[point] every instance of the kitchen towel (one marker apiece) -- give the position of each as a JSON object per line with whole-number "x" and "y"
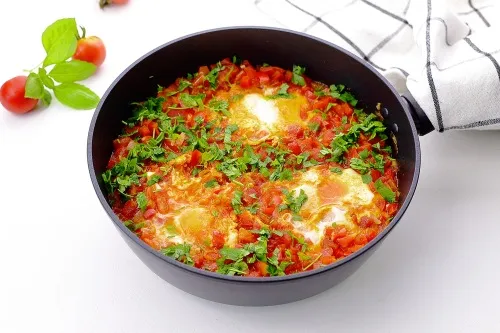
{"x": 446, "y": 53}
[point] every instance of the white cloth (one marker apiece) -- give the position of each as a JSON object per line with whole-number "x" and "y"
{"x": 445, "y": 52}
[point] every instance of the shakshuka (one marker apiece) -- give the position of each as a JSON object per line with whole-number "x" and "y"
{"x": 253, "y": 171}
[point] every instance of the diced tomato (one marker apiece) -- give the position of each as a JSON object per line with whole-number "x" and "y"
{"x": 144, "y": 131}
{"x": 180, "y": 113}
{"x": 277, "y": 77}
{"x": 345, "y": 241}
{"x": 295, "y": 131}
{"x": 263, "y": 78}
{"x": 294, "y": 147}
{"x": 365, "y": 221}
{"x": 375, "y": 174}
{"x": 149, "y": 213}
{"x": 270, "y": 200}
{"x": 204, "y": 70}
{"x": 121, "y": 142}
{"x": 245, "y": 220}
{"x": 288, "y": 76}
{"x": 162, "y": 204}
{"x": 261, "y": 268}
{"x": 245, "y": 236}
{"x": 327, "y": 260}
{"x": 211, "y": 255}
{"x": 338, "y": 232}
{"x": 360, "y": 239}
{"x": 328, "y": 136}
{"x": 245, "y": 82}
{"x": 195, "y": 158}
{"x": 371, "y": 234}
{"x": 249, "y": 196}
{"x": 392, "y": 208}
{"x": 129, "y": 209}
{"x": 322, "y": 103}
{"x": 218, "y": 239}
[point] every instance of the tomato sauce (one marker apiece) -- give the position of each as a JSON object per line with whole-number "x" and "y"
{"x": 253, "y": 171}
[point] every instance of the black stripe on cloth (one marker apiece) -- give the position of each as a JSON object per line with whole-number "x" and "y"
{"x": 341, "y": 35}
{"x": 446, "y": 28}
{"x": 486, "y": 54}
{"x": 479, "y": 13}
{"x": 432, "y": 86}
{"x": 386, "y": 40}
{"x": 472, "y": 10}
{"x": 313, "y": 23}
{"x": 394, "y": 16}
{"x": 480, "y": 123}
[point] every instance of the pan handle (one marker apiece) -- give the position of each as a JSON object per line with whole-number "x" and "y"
{"x": 422, "y": 122}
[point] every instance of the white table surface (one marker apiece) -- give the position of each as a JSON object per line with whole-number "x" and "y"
{"x": 64, "y": 267}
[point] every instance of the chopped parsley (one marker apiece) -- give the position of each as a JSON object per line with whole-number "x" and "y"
{"x": 293, "y": 203}
{"x": 212, "y": 76}
{"x": 180, "y": 252}
{"x": 367, "y": 178}
{"x": 297, "y": 75}
{"x": 236, "y": 202}
{"x": 211, "y": 183}
{"x": 360, "y": 165}
{"x": 153, "y": 179}
{"x": 385, "y": 191}
{"x": 282, "y": 92}
{"x": 314, "y": 127}
{"x": 133, "y": 226}
{"x": 183, "y": 84}
{"x": 218, "y": 105}
{"x": 192, "y": 101}
{"x": 142, "y": 201}
{"x": 336, "y": 170}
{"x": 338, "y": 91}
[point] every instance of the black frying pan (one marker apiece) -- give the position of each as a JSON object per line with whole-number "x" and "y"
{"x": 325, "y": 62}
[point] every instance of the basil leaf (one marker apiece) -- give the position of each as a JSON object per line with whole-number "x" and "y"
{"x": 34, "y": 87}
{"x": 46, "y": 80}
{"x": 62, "y": 48}
{"x": 71, "y": 71}
{"x": 76, "y": 96}
{"x": 53, "y": 32}
{"x": 46, "y": 98}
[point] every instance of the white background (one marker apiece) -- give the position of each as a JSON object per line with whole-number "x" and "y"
{"x": 64, "y": 268}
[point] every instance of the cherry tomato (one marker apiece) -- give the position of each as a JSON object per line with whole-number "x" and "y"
{"x": 90, "y": 49}
{"x": 104, "y": 3}
{"x": 12, "y": 96}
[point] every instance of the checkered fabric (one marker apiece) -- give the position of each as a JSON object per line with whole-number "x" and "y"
{"x": 446, "y": 53}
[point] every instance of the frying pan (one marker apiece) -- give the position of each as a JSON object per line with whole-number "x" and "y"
{"x": 324, "y": 62}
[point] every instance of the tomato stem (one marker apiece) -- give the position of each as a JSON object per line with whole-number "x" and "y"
{"x": 84, "y": 31}
{"x": 104, "y": 3}
{"x": 33, "y": 69}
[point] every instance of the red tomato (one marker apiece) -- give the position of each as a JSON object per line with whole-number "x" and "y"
{"x": 195, "y": 158}
{"x": 218, "y": 239}
{"x": 245, "y": 82}
{"x": 263, "y": 78}
{"x": 90, "y": 49}
{"x": 294, "y": 147}
{"x": 12, "y": 96}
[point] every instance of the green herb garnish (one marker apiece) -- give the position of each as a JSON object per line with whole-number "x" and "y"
{"x": 385, "y": 191}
